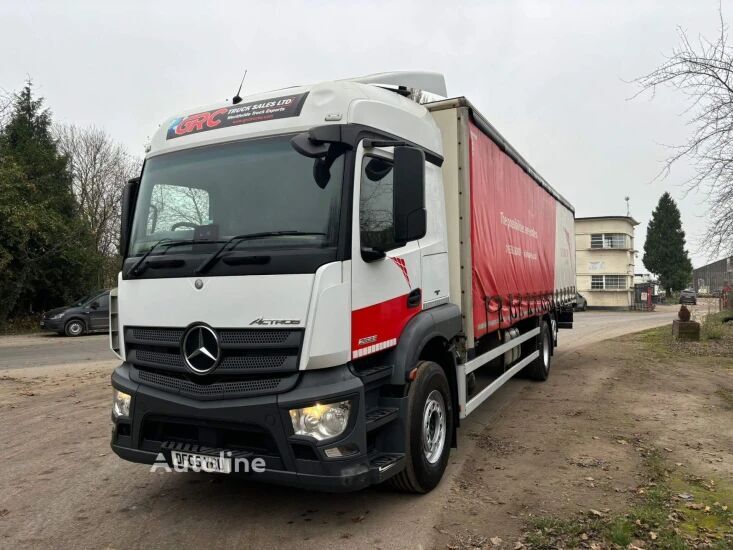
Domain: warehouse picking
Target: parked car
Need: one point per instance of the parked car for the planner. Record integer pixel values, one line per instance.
(90, 314)
(688, 296)
(581, 304)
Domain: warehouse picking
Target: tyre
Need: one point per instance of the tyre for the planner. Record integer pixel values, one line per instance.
(75, 327)
(429, 430)
(539, 369)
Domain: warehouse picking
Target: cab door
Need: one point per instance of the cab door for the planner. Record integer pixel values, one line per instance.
(386, 277)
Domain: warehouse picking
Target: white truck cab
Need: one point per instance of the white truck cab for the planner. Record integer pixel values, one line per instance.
(286, 292)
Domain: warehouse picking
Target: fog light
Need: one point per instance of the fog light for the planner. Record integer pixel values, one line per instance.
(341, 451)
(120, 403)
(321, 421)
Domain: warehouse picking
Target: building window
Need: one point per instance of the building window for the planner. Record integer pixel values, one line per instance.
(608, 240)
(615, 282)
(608, 282)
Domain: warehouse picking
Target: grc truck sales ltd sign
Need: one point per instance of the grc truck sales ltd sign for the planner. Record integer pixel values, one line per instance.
(244, 113)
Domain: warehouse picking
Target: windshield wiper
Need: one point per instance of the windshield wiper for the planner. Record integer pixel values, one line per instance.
(211, 260)
(138, 268)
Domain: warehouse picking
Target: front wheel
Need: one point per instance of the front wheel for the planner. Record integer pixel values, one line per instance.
(430, 428)
(75, 327)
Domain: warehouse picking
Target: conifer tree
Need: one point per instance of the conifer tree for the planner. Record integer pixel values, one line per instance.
(664, 249)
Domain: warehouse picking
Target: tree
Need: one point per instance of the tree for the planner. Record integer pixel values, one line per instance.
(47, 255)
(664, 249)
(99, 169)
(704, 73)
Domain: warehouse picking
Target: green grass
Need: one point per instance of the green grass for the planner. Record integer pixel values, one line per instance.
(653, 511)
(658, 341)
(712, 326)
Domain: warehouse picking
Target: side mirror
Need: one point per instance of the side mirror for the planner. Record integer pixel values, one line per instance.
(128, 201)
(94, 305)
(410, 219)
(325, 154)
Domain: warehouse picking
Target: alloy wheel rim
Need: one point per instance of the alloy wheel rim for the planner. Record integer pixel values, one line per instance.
(433, 427)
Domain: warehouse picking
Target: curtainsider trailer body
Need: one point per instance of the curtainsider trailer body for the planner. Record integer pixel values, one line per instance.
(510, 236)
(321, 282)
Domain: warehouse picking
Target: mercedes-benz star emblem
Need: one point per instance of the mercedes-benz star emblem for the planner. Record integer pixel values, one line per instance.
(200, 349)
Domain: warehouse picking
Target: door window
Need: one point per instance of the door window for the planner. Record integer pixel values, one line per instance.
(103, 301)
(376, 204)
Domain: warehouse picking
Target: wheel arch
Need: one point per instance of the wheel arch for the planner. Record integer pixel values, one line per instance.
(424, 331)
(429, 336)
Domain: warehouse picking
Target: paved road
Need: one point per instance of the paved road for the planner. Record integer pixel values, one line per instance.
(594, 326)
(43, 350)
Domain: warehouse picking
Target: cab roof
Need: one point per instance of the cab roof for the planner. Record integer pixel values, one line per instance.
(297, 109)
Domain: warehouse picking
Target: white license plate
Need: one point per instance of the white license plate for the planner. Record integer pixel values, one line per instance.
(201, 463)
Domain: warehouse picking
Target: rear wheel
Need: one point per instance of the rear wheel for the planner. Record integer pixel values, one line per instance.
(74, 327)
(539, 369)
(429, 425)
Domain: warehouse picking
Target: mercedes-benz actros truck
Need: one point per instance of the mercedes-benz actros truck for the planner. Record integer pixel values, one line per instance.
(325, 280)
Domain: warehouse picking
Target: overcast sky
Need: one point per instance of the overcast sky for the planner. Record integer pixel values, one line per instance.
(549, 75)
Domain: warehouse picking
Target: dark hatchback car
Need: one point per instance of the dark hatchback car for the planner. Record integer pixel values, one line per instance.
(688, 296)
(90, 314)
(581, 304)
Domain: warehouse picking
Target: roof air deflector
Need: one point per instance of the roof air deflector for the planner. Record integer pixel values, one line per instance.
(433, 83)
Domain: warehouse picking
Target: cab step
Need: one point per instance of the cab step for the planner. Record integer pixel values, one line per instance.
(384, 465)
(370, 375)
(376, 418)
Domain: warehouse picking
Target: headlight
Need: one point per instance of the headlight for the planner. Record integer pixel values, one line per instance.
(321, 421)
(120, 403)
(57, 316)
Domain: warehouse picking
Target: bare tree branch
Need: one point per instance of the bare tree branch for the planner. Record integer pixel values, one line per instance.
(704, 73)
(100, 167)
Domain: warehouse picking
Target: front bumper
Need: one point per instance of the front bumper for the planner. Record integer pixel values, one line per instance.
(54, 325)
(258, 426)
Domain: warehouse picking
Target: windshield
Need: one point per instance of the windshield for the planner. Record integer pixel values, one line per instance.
(254, 186)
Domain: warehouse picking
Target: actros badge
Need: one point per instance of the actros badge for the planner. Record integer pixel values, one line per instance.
(275, 322)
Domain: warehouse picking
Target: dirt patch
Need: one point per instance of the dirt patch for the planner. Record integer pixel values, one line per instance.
(607, 444)
(534, 451)
(495, 446)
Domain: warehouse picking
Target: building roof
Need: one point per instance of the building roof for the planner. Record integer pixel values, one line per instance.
(629, 219)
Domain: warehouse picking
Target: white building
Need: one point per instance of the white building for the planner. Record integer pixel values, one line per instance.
(605, 260)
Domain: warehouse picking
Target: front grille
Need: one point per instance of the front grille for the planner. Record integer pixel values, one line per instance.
(245, 362)
(162, 335)
(215, 390)
(253, 361)
(255, 336)
(148, 357)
